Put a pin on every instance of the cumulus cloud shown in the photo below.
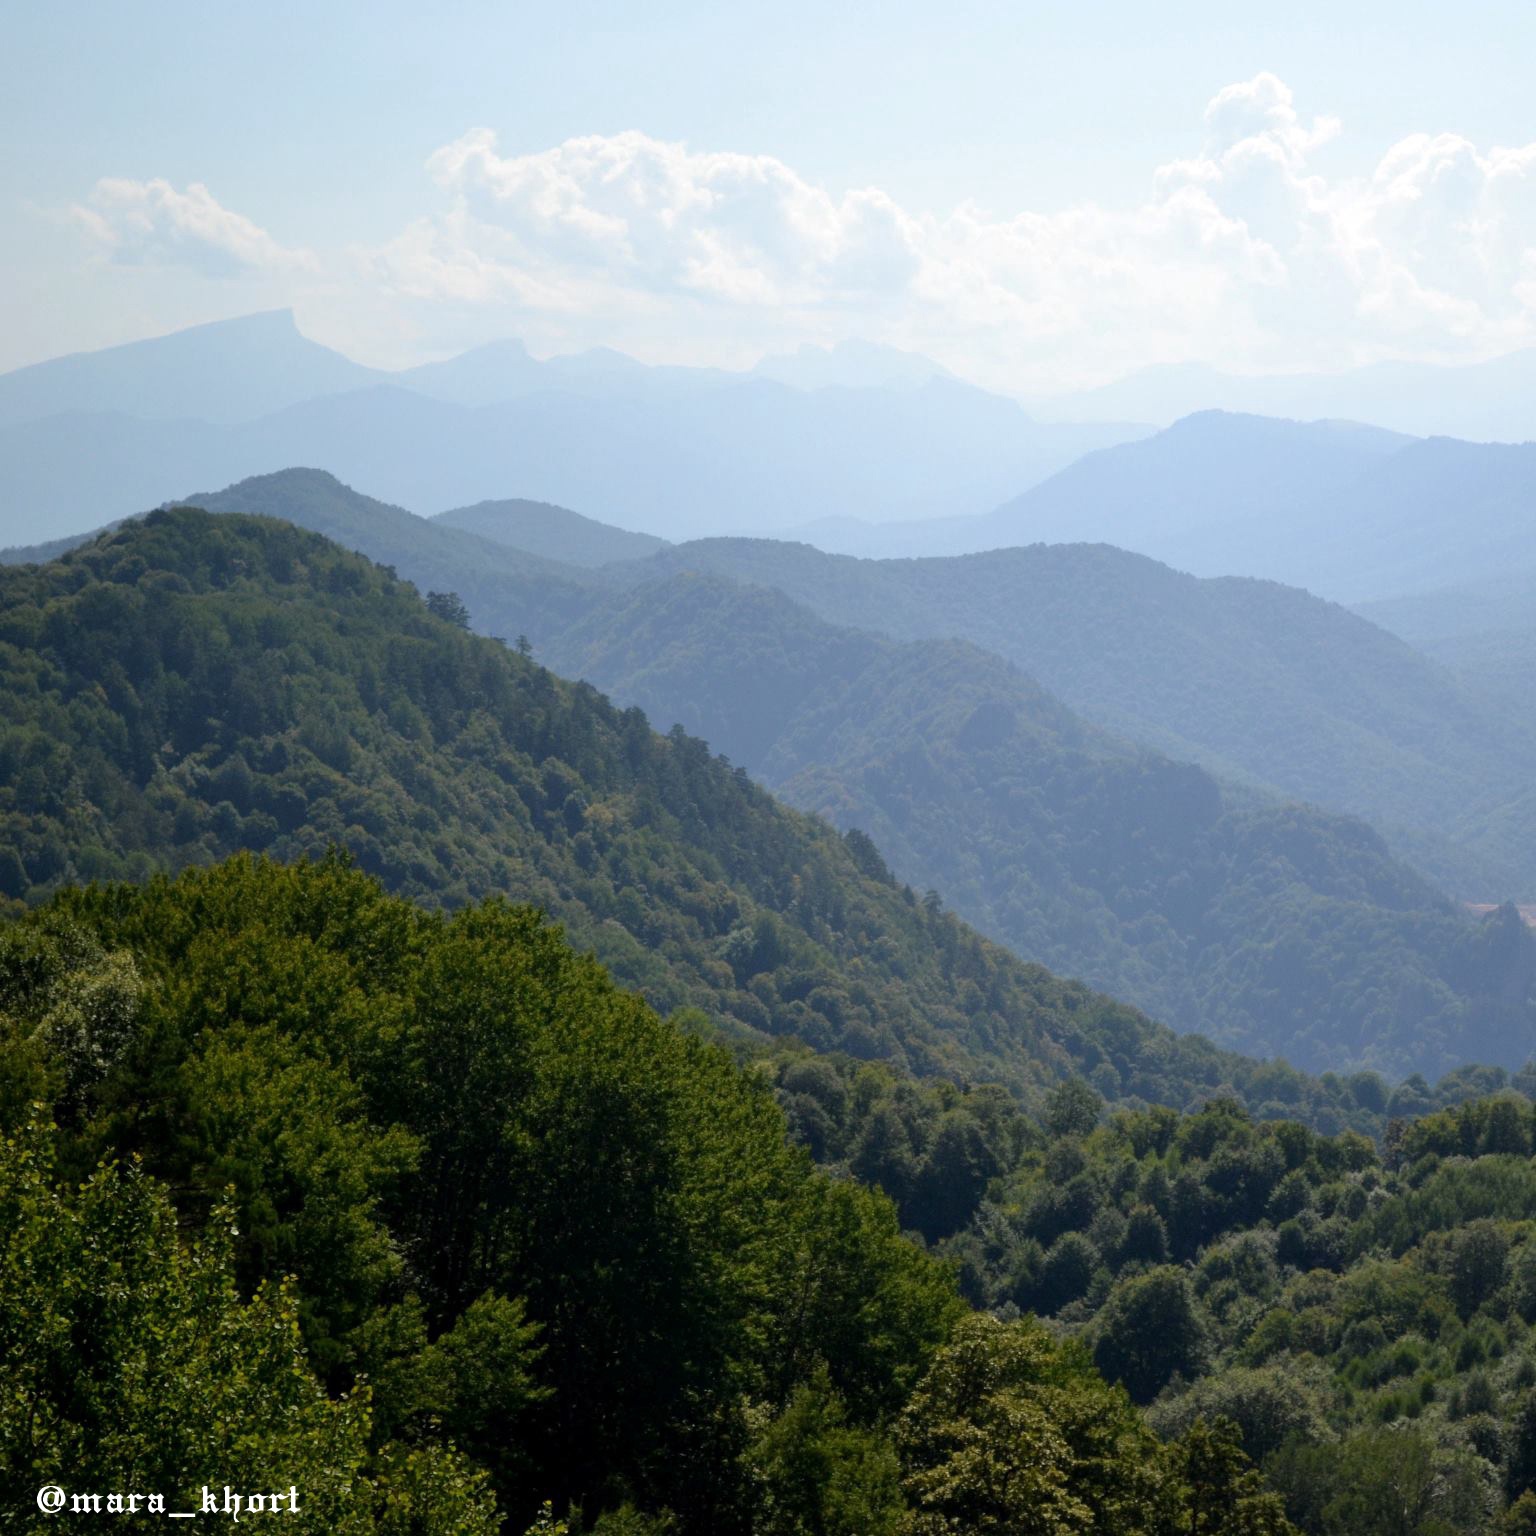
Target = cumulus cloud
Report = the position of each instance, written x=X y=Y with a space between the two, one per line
x=745 y=229
x=1242 y=253
x=1247 y=252
x=151 y=223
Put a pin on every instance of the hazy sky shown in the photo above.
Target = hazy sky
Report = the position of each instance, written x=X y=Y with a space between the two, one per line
x=1039 y=195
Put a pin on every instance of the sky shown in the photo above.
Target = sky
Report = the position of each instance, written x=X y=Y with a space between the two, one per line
x=1040 y=196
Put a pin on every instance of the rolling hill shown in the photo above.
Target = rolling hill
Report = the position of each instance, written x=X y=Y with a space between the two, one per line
x=555 y=533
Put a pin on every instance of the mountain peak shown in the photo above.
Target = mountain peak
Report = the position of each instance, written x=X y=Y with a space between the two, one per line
x=225 y=371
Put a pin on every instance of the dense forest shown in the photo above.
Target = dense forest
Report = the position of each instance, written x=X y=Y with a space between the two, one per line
x=192 y=685
x=424 y=1217
x=421 y=1215
x=1363 y=1315
x=1259 y=683
x=1256 y=681
x=1271 y=927
x=1276 y=929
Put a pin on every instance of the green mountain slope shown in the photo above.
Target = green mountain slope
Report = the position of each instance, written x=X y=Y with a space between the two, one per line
x=1484 y=632
x=190 y=685
x=1253 y=680
x=1257 y=682
x=1268 y=927
x=488 y=574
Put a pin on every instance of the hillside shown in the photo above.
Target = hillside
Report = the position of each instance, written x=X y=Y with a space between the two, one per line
x=1255 y=681
x=1457 y=614
x=1145 y=877
x=1439 y=512
x=1363 y=1316
x=555 y=533
x=1271 y=928
x=191 y=685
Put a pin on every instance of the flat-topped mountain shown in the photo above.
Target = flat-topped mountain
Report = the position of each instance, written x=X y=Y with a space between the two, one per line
x=230 y=370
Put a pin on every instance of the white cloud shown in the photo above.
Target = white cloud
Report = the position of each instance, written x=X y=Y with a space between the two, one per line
x=745 y=229
x=1245 y=253
x=150 y=223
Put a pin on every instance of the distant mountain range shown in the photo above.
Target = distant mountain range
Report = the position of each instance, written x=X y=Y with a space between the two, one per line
x=857 y=449
x=1350 y=512
x=673 y=451
x=1493 y=401
x=231 y=370
x=1256 y=681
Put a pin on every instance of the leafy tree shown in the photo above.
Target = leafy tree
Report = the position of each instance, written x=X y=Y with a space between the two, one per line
x=820 y=1476
x=1073 y=1109
x=1478 y=1264
x=1398 y=1482
x=1150 y=1330
x=1223 y=1494
x=546 y=1222
x=450 y=607
x=133 y=1363
x=1066 y=1272
x=1010 y=1433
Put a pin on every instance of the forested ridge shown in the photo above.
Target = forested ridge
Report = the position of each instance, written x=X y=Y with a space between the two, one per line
x=1270 y=926
x=1254 y=680
x=193 y=685
x=1274 y=928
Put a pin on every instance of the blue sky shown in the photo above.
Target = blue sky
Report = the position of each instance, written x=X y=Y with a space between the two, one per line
x=1037 y=194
